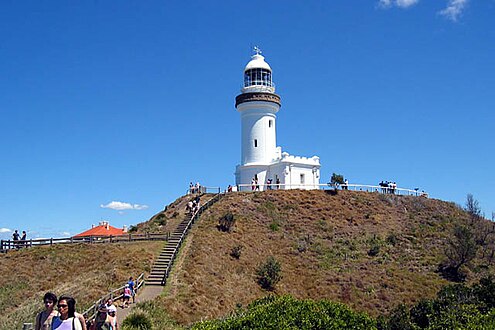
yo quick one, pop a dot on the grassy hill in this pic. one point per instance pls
(84, 271)
(367, 250)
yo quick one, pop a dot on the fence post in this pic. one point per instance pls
(51, 241)
(1, 244)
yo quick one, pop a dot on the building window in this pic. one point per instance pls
(270, 123)
(255, 143)
(302, 178)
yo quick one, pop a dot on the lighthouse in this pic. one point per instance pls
(261, 159)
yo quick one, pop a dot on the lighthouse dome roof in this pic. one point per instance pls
(257, 62)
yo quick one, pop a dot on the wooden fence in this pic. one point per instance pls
(6, 245)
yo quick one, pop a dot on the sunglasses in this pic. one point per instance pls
(61, 306)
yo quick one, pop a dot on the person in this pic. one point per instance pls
(132, 288)
(278, 183)
(81, 319)
(127, 296)
(44, 318)
(345, 186)
(111, 320)
(189, 207)
(66, 320)
(15, 237)
(269, 184)
(191, 187)
(109, 303)
(253, 184)
(23, 238)
(100, 319)
(229, 188)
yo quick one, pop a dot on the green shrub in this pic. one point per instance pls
(236, 251)
(268, 273)
(226, 222)
(137, 321)
(392, 239)
(274, 226)
(287, 312)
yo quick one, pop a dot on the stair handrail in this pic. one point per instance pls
(193, 218)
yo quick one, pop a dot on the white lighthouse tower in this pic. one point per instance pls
(261, 159)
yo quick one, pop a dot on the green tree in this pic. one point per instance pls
(460, 251)
(268, 273)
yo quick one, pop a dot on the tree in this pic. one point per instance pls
(268, 273)
(460, 251)
(473, 207)
(336, 180)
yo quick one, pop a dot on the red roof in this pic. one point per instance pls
(102, 230)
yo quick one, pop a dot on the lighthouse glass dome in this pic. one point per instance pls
(258, 77)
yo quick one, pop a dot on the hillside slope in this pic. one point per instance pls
(323, 243)
(84, 271)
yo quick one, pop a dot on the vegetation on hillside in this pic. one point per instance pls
(367, 250)
(84, 271)
(384, 256)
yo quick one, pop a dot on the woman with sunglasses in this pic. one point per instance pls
(67, 319)
(44, 319)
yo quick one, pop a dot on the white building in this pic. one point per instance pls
(260, 157)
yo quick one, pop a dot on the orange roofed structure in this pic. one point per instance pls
(103, 229)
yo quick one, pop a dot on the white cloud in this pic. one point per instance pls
(5, 230)
(454, 9)
(119, 206)
(65, 234)
(398, 3)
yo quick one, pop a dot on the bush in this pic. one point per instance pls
(137, 321)
(268, 273)
(287, 312)
(392, 239)
(336, 179)
(236, 251)
(461, 250)
(456, 307)
(226, 223)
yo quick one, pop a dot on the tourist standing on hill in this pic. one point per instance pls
(132, 288)
(127, 296)
(67, 319)
(23, 238)
(44, 319)
(15, 237)
(111, 320)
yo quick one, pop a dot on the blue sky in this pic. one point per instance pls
(129, 101)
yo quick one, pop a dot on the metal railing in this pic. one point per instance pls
(353, 187)
(191, 221)
(203, 190)
(6, 245)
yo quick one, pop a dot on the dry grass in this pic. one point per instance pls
(322, 241)
(84, 271)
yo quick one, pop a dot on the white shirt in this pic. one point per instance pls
(58, 324)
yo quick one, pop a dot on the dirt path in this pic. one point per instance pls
(147, 293)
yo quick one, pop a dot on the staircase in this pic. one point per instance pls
(163, 265)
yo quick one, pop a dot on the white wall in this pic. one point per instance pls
(255, 118)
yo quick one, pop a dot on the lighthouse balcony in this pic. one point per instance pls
(258, 88)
